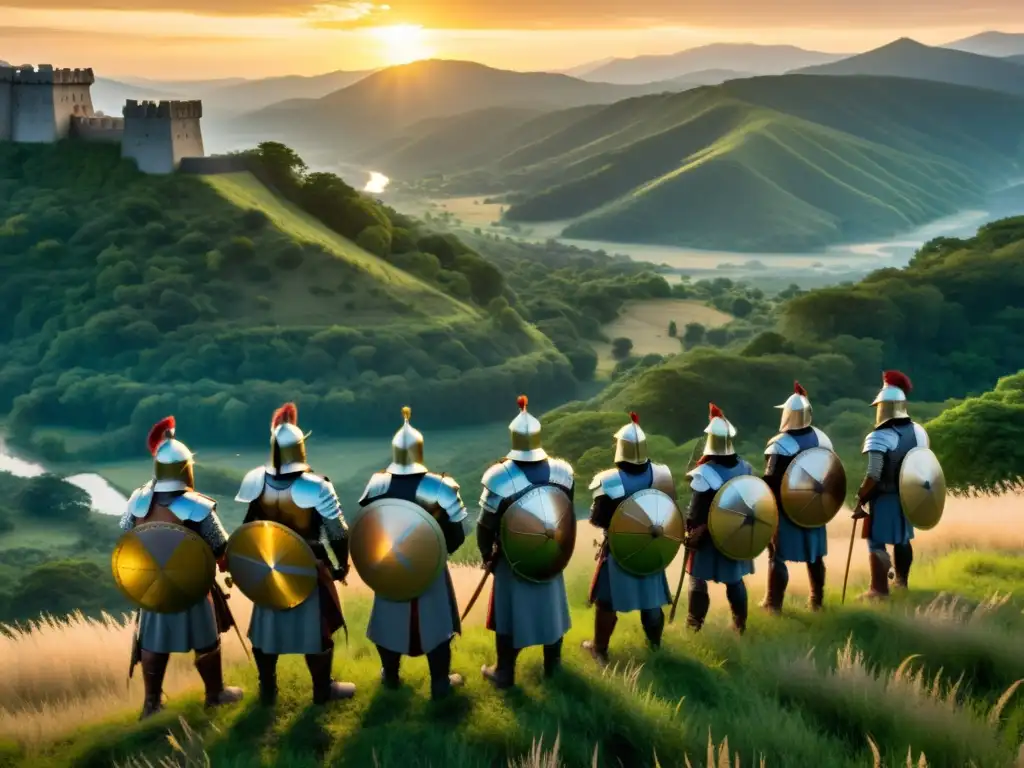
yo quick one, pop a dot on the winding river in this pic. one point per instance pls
(106, 499)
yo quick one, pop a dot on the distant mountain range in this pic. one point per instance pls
(999, 44)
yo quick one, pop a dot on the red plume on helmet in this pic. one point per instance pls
(634, 417)
(798, 389)
(522, 402)
(286, 414)
(898, 380)
(713, 411)
(162, 430)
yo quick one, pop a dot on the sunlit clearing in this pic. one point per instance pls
(403, 43)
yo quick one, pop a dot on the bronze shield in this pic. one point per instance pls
(743, 517)
(397, 548)
(645, 532)
(272, 565)
(813, 488)
(922, 488)
(163, 567)
(538, 533)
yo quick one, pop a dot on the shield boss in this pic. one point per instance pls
(397, 548)
(163, 567)
(743, 517)
(538, 533)
(813, 488)
(922, 488)
(645, 532)
(272, 565)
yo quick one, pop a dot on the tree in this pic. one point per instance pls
(673, 330)
(376, 240)
(282, 165)
(621, 348)
(742, 307)
(693, 334)
(49, 496)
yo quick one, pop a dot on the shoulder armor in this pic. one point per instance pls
(783, 444)
(140, 501)
(505, 479)
(922, 436)
(252, 485)
(311, 491)
(662, 480)
(608, 483)
(435, 490)
(378, 486)
(881, 440)
(193, 507)
(823, 439)
(745, 467)
(704, 478)
(561, 474)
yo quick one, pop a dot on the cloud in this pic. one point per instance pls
(54, 34)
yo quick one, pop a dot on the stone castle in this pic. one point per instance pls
(45, 105)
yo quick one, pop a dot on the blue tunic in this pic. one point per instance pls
(888, 524)
(706, 562)
(793, 543)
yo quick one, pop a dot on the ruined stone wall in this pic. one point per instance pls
(45, 99)
(157, 135)
(98, 129)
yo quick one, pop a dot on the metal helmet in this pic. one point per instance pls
(891, 400)
(796, 411)
(631, 443)
(287, 442)
(720, 434)
(525, 433)
(172, 467)
(407, 449)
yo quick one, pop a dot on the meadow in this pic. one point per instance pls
(935, 673)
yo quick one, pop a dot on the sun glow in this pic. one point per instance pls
(403, 43)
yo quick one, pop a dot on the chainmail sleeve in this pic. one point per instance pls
(127, 521)
(213, 533)
(601, 510)
(700, 506)
(876, 460)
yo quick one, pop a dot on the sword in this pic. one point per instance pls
(227, 610)
(136, 653)
(488, 570)
(686, 550)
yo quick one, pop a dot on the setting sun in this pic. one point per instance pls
(403, 43)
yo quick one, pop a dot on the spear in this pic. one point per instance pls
(488, 570)
(686, 550)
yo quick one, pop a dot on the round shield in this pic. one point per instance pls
(813, 488)
(538, 533)
(272, 565)
(163, 567)
(645, 532)
(743, 517)
(922, 488)
(397, 548)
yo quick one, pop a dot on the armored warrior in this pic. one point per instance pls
(705, 563)
(528, 604)
(288, 492)
(426, 624)
(792, 542)
(885, 521)
(616, 589)
(170, 498)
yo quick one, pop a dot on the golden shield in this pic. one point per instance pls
(538, 533)
(743, 517)
(163, 567)
(922, 488)
(645, 532)
(813, 488)
(397, 548)
(272, 565)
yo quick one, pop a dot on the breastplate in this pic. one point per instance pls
(892, 462)
(279, 507)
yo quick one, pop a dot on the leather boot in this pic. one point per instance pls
(442, 679)
(212, 673)
(502, 674)
(778, 580)
(653, 622)
(879, 589)
(605, 620)
(552, 658)
(154, 665)
(390, 662)
(266, 668)
(737, 596)
(816, 579)
(903, 557)
(697, 610)
(325, 689)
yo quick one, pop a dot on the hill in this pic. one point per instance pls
(998, 44)
(737, 57)
(384, 103)
(250, 95)
(815, 165)
(908, 58)
(109, 96)
(1017, 59)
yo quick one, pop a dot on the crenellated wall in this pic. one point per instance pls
(43, 101)
(98, 129)
(157, 135)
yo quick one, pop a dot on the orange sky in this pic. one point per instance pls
(221, 38)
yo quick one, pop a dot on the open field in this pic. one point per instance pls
(801, 690)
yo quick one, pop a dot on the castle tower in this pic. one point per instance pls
(158, 135)
(6, 101)
(38, 105)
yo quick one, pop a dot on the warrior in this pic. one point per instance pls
(426, 624)
(286, 491)
(894, 436)
(793, 543)
(614, 589)
(525, 612)
(705, 563)
(170, 498)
